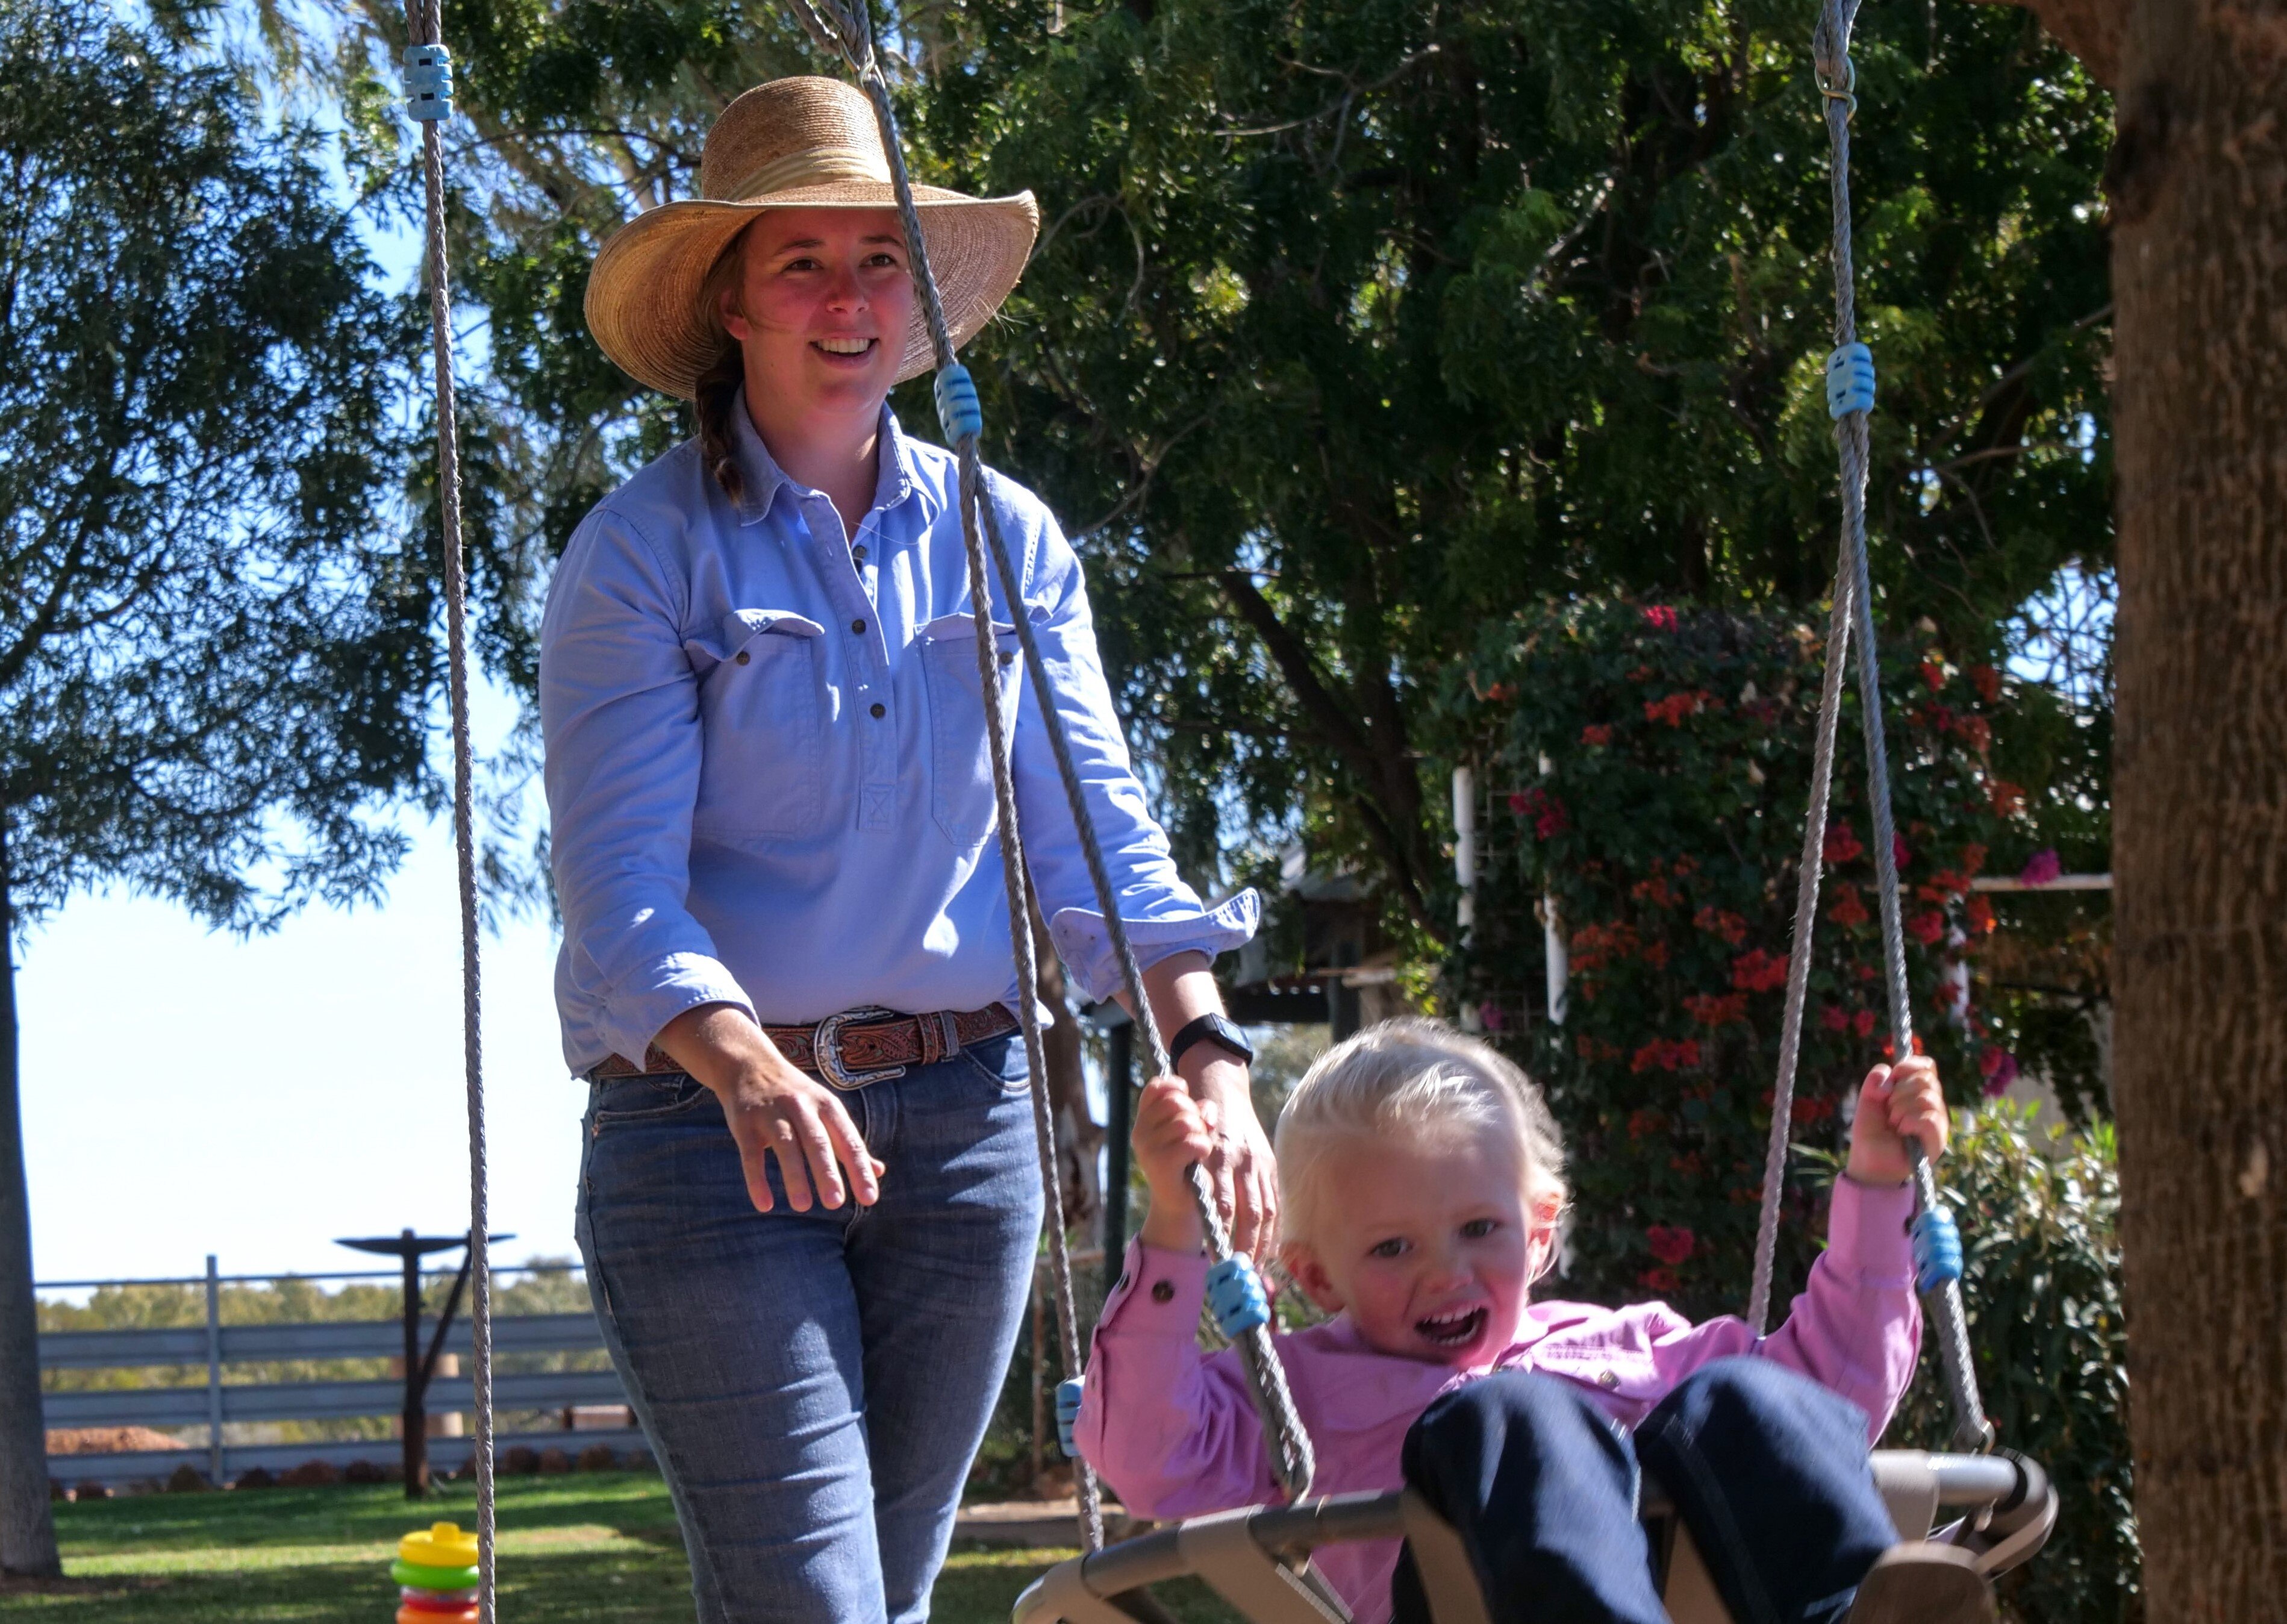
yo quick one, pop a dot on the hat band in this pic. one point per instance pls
(808, 167)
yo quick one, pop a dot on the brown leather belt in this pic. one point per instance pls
(858, 1047)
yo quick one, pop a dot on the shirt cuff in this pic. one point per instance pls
(1866, 1231)
(1085, 944)
(1158, 1296)
(677, 982)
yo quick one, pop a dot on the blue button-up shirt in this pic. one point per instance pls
(767, 770)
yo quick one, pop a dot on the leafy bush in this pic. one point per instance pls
(2038, 1211)
(1648, 769)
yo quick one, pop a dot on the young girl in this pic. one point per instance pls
(1423, 1180)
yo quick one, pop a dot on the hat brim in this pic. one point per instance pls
(646, 289)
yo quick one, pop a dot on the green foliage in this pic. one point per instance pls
(214, 662)
(1356, 324)
(1649, 770)
(1353, 324)
(2038, 1210)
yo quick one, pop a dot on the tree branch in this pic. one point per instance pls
(2090, 29)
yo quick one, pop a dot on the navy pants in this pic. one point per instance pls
(1767, 1467)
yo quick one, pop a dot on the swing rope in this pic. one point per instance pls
(429, 84)
(1850, 398)
(847, 31)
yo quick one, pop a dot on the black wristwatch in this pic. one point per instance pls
(1220, 1030)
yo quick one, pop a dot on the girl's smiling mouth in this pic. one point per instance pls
(1456, 1328)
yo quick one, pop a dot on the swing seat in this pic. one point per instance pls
(1257, 1559)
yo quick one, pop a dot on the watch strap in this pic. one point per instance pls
(1215, 1028)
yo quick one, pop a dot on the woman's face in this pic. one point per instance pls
(821, 311)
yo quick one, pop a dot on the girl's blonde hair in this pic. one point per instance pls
(1422, 1079)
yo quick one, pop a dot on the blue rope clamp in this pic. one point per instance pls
(1235, 1296)
(1068, 1395)
(428, 83)
(1937, 1251)
(1849, 381)
(958, 408)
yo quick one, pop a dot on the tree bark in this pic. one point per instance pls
(27, 1527)
(2199, 189)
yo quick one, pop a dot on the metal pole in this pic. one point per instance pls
(415, 1420)
(214, 1373)
(1119, 1111)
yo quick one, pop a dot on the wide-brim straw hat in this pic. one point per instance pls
(799, 143)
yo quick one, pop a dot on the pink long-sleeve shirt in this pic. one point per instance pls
(1174, 1433)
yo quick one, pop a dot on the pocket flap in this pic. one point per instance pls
(741, 627)
(962, 629)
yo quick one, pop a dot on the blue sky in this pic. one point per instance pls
(188, 1092)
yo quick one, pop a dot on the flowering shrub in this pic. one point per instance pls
(1666, 828)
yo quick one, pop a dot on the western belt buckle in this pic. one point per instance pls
(826, 1051)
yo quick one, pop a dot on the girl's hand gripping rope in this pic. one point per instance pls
(1894, 1104)
(1171, 1133)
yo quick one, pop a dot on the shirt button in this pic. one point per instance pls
(879, 709)
(859, 552)
(1163, 1291)
(744, 657)
(859, 627)
(1606, 1380)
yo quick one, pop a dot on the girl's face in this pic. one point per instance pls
(1428, 1246)
(821, 309)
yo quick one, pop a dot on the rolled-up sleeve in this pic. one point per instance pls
(1164, 916)
(619, 712)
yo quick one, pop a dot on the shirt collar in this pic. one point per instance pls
(897, 479)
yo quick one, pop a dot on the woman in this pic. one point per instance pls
(809, 1203)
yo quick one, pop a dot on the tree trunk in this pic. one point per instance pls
(27, 1527)
(2199, 189)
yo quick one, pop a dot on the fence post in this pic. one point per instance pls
(214, 1374)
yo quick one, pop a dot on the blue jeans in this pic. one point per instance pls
(815, 1384)
(1765, 1468)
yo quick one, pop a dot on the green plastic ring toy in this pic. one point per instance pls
(433, 1578)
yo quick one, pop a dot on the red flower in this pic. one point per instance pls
(2001, 1069)
(1863, 1023)
(2042, 869)
(1927, 928)
(1834, 1018)
(1659, 617)
(1900, 853)
(1722, 923)
(1848, 909)
(1711, 1010)
(1644, 1121)
(1671, 1245)
(1758, 971)
(1661, 1054)
(1655, 891)
(1500, 693)
(1979, 916)
(1933, 675)
(2008, 799)
(1490, 1016)
(1597, 734)
(1549, 817)
(1977, 732)
(1658, 1279)
(1810, 1109)
(1987, 681)
(1841, 844)
(1972, 859)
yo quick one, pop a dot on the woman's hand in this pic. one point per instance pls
(1171, 1133)
(774, 1111)
(1894, 1104)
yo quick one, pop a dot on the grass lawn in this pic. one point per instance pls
(595, 1548)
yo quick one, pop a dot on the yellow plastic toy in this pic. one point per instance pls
(436, 1573)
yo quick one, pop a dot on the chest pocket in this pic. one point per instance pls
(762, 713)
(961, 761)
